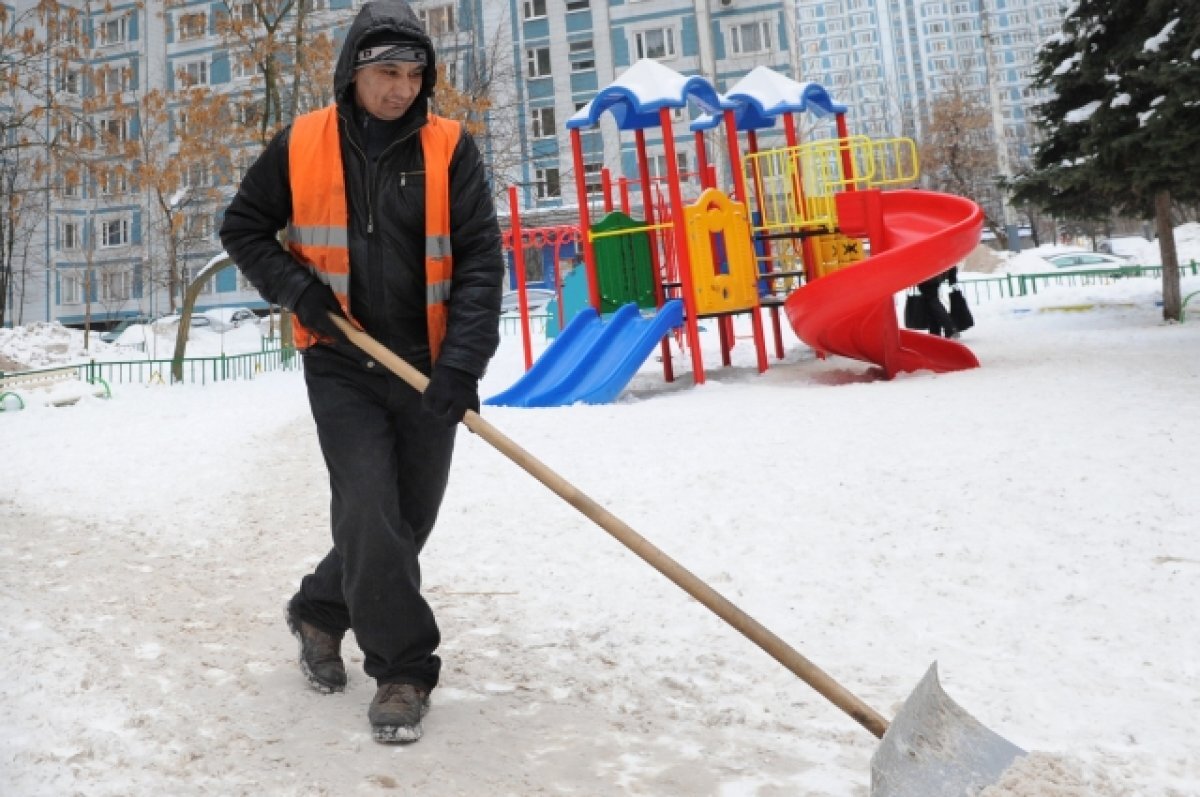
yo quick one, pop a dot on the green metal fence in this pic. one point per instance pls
(196, 370)
(1009, 285)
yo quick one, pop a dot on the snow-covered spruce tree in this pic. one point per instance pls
(1122, 128)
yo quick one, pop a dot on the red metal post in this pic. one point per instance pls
(606, 182)
(655, 263)
(681, 246)
(585, 223)
(518, 249)
(847, 157)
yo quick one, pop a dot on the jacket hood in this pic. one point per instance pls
(379, 16)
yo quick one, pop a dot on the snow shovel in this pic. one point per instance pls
(933, 748)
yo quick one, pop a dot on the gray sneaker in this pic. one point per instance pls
(320, 655)
(396, 713)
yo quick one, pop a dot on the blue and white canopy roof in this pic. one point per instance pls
(763, 95)
(636, 97)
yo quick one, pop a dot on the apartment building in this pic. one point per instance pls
(889, 60)
(541, 61)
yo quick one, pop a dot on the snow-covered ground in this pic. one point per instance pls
(1030, 525)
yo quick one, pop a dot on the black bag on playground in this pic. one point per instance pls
(959, 312)
(916, 314)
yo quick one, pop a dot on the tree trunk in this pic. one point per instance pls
(1172, 301)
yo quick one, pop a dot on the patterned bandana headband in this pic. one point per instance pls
(390, 52)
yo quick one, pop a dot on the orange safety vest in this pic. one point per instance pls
(318, 232)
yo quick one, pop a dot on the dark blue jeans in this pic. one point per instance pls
(388, 465)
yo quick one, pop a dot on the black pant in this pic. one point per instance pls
(940, 321)
(388, 465)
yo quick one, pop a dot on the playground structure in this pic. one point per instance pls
(791, 234)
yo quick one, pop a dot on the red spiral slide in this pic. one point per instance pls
(914, 235)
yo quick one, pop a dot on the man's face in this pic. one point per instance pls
(387, 91)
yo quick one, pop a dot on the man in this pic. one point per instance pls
(390, 223)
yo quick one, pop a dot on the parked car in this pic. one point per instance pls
(1086, 261)
(1128, 246)
(223, 319)
(199, 320)
(113, 334)
(537, 298)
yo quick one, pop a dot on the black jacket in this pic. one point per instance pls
(386, 200)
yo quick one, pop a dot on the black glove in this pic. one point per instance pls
(313, 307)
(451, 392)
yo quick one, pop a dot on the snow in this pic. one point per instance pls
(1155, 43)
(1082, 114)
(1120, 100)
(638, 93)
(1067, 65)
(1029, 524)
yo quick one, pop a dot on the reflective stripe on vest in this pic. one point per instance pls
(318, 232)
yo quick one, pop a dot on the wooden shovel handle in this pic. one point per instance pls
(690, 583)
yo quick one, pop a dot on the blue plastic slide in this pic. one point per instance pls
(593, 359)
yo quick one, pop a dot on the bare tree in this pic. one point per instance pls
(957, 154)
(23, 164)
(183, 144)
(475, 74)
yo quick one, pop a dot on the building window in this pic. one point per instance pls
(69, 236)
(655, 43)
(244, 12)
(112, 31)
(537, 61)
(578, 5)
(244, 67)
(438, 19)
(658, 164)
(114, 285)
(68, 32)
(592, 179)
(193, 73)
(750, 37)
(192, 26)
(69, 81)
(113, 181)
(200, 227)
(543, 122)
(249, 113)
(547, 183)
(112, 79)
(582, 55)
(71, 130)
(189, 276)
(70, 188)
(534, 9)
(72, 288)
(197, 175)
(113, 130)
(114, 232)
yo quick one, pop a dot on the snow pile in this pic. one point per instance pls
(1047, 775)
(45, 344)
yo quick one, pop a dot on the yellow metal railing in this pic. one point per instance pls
(795, 186)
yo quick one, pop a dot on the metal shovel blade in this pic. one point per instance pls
(934, 748)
